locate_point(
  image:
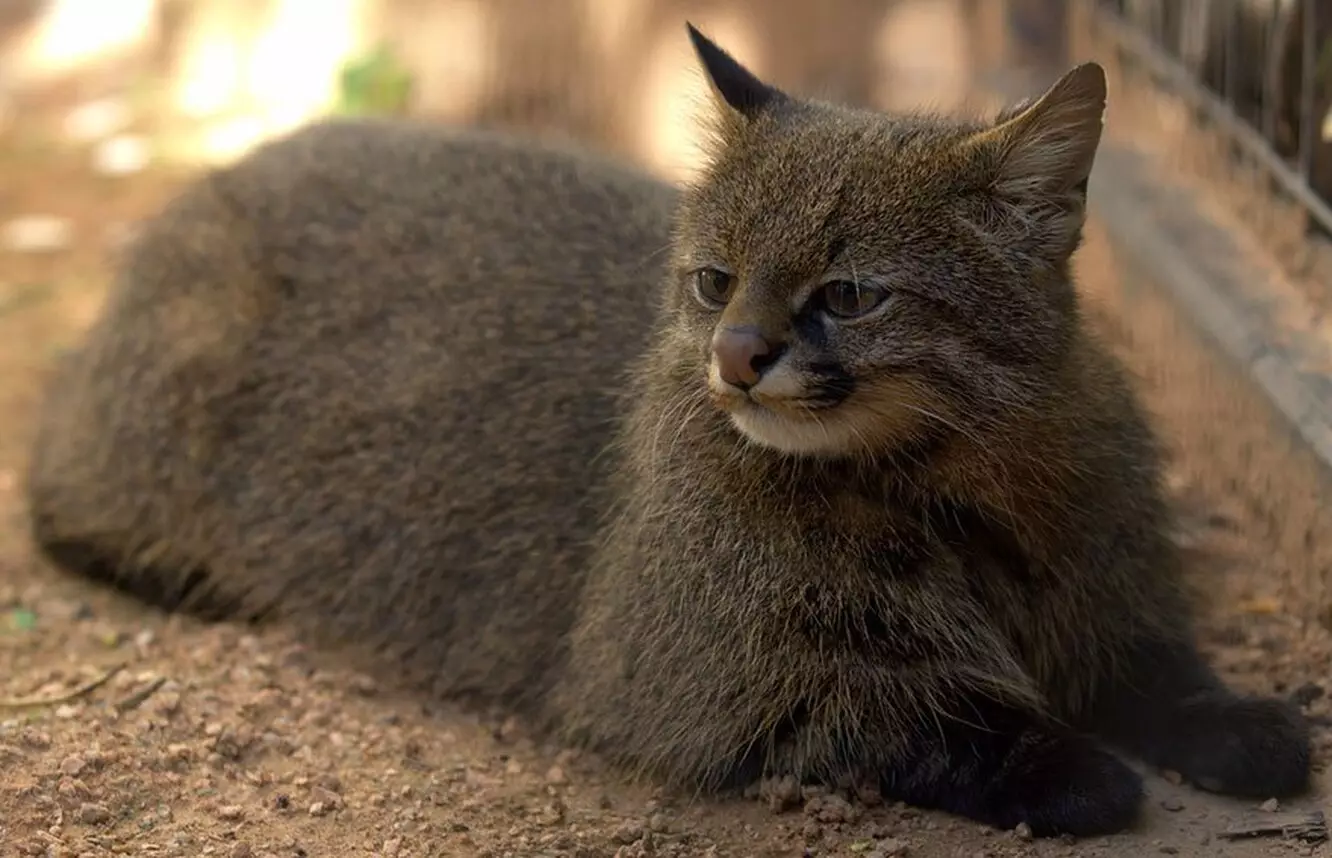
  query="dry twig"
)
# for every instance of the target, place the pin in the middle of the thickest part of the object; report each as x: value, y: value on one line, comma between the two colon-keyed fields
x: 57, y: 699
x: 1309, y: 827
x: 134, y: 700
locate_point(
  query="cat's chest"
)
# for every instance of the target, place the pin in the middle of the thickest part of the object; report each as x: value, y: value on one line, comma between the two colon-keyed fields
x: 840, y: 539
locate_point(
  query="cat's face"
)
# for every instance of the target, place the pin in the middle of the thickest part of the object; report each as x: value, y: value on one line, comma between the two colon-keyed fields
x: 846, y: 281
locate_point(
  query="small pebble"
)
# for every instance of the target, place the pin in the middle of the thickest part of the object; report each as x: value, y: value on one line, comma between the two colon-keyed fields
x: 241, y: 850
x: 1022, y: 831
x: 892, y: 847
x: 628, y: 833
x: 391, y: 847
x: 1172, y: 805
x: 73, y: 765
x: 555, y: 775
x: 93, y: 814
x: 231, y: 812
x: 1173, y: 777
x: 35, y: 739
x: 1270, y: 806
x: 831, y: 809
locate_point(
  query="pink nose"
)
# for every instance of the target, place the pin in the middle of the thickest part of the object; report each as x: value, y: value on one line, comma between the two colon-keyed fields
x: 742, y: 355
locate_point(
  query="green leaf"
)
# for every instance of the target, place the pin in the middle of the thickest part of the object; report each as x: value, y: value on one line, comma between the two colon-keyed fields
x: 22, y: 620
x: 374, y: 83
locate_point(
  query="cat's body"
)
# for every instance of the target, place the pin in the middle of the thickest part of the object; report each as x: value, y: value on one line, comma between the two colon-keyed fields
x: 290, y: 390
x: 872, y: 502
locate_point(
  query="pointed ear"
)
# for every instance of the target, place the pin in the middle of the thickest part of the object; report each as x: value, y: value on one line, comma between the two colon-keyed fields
x: 1036, y: 161
x: 1046, y: 148
x: 734, y: 86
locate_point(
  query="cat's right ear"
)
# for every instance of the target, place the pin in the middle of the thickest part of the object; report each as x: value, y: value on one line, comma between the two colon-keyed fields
x: 736, y: 89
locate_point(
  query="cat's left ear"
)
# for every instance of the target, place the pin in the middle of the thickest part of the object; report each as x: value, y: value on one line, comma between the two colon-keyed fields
x: 1046, y: 148
x: 736, y: 89
x: 1037, y: 159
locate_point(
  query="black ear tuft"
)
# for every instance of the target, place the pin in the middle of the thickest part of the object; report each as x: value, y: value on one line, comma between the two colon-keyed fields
x: 736, y: 85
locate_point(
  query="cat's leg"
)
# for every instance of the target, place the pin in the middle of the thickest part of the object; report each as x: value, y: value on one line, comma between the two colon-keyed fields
x: 1166, y: 706
x: 1002, y: 765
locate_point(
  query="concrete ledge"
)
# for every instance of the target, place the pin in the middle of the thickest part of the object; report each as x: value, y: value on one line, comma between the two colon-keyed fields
x: 1219, y: 288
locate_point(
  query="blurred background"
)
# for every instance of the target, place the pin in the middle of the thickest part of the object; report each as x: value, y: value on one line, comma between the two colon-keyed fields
x: 106, y: 106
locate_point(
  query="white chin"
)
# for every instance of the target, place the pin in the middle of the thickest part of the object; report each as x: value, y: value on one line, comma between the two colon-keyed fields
x: 796, y: 437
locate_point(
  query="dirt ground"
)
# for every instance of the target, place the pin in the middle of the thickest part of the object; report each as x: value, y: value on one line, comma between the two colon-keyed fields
x: 230, y: 741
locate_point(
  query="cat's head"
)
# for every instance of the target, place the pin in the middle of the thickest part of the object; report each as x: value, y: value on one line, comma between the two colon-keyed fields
x: 846, y: 280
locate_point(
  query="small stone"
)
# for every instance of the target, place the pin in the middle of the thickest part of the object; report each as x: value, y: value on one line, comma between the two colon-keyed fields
x: 73, y: 788
x: 1022, y: 831
x: 892, y: 847
x: 1172, y: 777
x: 231, y: 812
x: 868, y: 794
x: 1270, y: 806
x: 628, y: 833
x: 555, y: 775
x: 391, y: 847
x: 91, y: 813
x: 165, y: 702
x: 831, y: 809
x: 73, y: 765
x: 318, y: 808
x: 35, y: 739
x: 658, y: 823
x: 241, y: 850
x: 66, y: 711
x: 1173, y: 805
x: 327, y: 797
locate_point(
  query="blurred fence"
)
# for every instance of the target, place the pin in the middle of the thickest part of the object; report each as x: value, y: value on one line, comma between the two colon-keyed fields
x: 1257, y: 72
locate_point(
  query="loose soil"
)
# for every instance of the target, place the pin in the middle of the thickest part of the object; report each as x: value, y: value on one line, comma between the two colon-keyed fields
x: 233, y: 741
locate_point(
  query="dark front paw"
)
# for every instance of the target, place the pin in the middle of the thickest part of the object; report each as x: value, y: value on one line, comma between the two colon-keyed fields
x: 1065, y: 784
x: 1249, y: 747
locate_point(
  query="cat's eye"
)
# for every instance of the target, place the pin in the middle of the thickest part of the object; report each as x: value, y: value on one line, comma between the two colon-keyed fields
x: 713, y: 287
x: 848, y: 299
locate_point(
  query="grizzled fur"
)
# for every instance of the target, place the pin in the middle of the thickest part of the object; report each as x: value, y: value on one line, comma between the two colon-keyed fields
x: 364, y: 378
x: 415, y: 388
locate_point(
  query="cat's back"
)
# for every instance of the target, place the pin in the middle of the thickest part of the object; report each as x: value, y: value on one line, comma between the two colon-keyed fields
x: 469, y: 203
x: 363, y: 377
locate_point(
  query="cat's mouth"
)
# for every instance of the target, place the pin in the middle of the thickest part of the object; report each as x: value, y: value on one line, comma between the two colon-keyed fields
x: 805, y: 423
x: 800, y: 418
x: 805, y: 426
